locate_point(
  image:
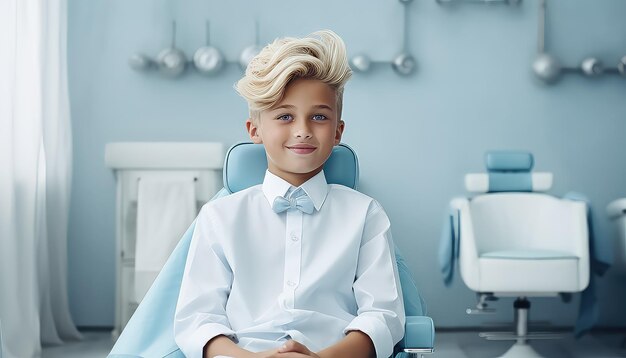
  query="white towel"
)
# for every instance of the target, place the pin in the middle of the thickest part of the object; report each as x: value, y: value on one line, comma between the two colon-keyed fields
x: 166, y: 206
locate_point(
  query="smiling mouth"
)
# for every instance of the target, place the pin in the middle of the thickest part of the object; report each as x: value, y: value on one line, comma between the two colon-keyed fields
x: 302, y: 149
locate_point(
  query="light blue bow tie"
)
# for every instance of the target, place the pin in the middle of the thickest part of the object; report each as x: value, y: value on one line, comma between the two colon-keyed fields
x: 297, y: 200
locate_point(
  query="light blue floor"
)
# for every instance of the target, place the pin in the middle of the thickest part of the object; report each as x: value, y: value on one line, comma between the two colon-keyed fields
x: 448, y: 345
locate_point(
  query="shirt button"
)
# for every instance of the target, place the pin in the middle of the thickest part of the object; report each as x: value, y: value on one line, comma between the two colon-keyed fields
x: 291, y: 283
x: 294, y: 237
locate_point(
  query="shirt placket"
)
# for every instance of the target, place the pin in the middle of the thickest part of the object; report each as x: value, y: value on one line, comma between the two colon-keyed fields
x: 293, y: 255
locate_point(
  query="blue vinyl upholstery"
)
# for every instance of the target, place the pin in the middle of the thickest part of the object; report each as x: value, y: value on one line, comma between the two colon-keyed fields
x: 246, y: 163
x: 509, y: 171
x: 509, y: 161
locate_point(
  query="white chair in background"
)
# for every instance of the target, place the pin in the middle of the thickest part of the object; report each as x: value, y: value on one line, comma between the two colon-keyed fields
x: 616, y: 211
x: 514, y: 242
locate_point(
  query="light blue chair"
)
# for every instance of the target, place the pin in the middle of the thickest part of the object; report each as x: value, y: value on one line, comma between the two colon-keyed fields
x: 150, y: 333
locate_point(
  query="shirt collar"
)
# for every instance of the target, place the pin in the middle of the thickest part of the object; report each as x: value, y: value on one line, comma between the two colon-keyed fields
x: 316, y: 188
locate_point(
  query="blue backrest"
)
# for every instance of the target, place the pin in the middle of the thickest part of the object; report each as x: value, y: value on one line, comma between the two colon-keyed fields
x: 245, y: 166
x: 509, y: 170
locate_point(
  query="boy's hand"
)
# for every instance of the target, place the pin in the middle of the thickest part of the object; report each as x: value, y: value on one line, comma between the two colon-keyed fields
x: 291, y: 349
x: 295, y: 347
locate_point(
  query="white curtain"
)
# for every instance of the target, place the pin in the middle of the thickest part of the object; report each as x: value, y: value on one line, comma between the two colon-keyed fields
x: 35, y: 176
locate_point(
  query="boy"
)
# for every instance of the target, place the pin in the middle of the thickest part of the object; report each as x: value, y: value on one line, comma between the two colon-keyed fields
x: 293, y: 267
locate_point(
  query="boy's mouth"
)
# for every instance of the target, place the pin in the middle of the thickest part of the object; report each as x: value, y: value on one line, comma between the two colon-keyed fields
x: 301, y: 148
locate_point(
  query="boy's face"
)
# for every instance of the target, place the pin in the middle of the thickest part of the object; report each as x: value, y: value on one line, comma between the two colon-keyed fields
x: 300, y: 131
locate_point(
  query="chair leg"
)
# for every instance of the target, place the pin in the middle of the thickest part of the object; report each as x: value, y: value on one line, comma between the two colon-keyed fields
x: 521, y: 305
x: 521, y: 348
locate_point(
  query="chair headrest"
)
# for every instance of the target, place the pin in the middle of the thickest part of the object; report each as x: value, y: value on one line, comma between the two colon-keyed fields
x: 246, y: 163
x: 509, y: 161
x: 508, y: 171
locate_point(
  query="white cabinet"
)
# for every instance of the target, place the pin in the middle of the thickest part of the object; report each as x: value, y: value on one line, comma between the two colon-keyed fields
x: 130, y: 161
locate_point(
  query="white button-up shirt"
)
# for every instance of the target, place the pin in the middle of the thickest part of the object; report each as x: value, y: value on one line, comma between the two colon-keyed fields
x: 262, y: 278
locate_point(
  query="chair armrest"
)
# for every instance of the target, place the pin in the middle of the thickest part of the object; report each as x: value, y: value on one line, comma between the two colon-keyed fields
x: 419, y: 335
x: 468, y: 246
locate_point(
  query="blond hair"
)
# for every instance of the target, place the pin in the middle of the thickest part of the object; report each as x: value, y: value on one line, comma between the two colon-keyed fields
x: 319, y: 56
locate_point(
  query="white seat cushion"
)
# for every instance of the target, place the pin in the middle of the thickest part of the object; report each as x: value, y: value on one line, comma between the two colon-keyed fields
x: 531, y: 271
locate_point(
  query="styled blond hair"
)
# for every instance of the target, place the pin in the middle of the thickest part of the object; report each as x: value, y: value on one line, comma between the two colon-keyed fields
x: 319, y: 56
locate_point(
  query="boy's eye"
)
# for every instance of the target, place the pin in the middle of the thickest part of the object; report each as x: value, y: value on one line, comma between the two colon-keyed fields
x: 319, y: 117
x: 285, y: 117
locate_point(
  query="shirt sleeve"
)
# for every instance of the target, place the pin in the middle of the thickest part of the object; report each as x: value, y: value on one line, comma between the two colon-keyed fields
x: 376, y: 287
x: 201, y: 308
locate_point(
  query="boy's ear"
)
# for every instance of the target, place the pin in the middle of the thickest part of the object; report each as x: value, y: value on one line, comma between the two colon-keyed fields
x: 339, y: 131
x: 253, y: 131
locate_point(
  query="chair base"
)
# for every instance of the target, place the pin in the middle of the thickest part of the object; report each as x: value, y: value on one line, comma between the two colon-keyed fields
x: 521, y: 350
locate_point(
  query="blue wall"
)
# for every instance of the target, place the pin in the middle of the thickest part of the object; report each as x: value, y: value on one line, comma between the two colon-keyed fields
x: 416, y: 136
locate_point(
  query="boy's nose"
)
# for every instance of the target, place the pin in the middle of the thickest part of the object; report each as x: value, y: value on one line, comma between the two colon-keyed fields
x: 302, y: 130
